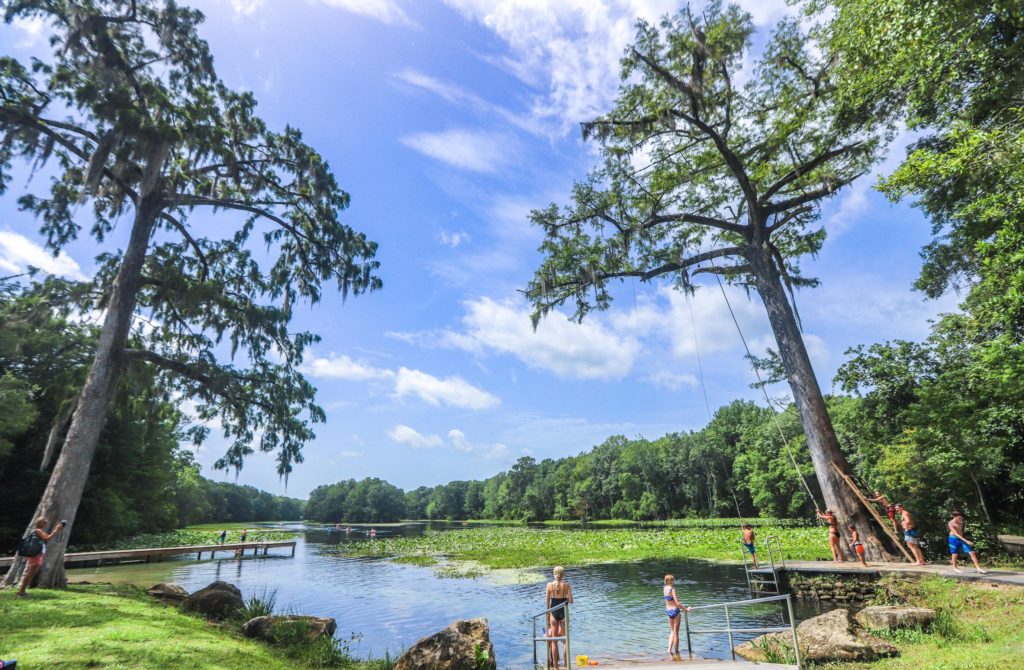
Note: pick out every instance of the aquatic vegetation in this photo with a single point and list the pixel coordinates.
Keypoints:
(521, 547)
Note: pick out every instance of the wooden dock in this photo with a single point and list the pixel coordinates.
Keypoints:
(681, 663)
(94, 558)
(878, 569)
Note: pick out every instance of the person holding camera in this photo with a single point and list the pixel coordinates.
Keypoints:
(34, 562)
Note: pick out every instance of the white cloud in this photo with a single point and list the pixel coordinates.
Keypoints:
(452, 240)
(453, 391)
(386, 11)
(570, 49)
(246, 7)
(459, 441)
(405, 435)
(17, 253)
(343, 367)
(586, 351)
(672, 381)
(477, 151)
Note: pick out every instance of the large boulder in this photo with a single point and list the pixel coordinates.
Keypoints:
(463, 645)
(885, 617)
(167, 592)
(275, 628)
(219, 600)
(828, 637)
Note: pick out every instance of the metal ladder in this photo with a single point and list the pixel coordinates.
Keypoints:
(789, 624)
(759, 582)
(545, 639)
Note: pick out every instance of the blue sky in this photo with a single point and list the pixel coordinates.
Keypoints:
(447, 121)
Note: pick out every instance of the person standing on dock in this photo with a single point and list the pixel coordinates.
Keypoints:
(910, 534)
(557, 594)
(833, 535)
(223, 537)
(672, 609)
(750, 542)
(856, 544)
(890, 509)
(958, 543)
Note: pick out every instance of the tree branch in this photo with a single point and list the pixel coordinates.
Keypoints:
(810, 196)
(810, 165)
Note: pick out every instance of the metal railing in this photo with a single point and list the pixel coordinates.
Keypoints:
(756, 585)
(730, 631)
(545, 638)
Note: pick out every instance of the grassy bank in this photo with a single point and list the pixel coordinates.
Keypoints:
(518, 547)
(104, 626)
(978, 628)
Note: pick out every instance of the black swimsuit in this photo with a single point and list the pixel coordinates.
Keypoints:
(559, 613)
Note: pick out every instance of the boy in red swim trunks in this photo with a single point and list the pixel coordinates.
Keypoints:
(890, 509)
(856, 544)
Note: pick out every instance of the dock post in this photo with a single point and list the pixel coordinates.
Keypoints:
(293, 549)
(199, 556)
(213, 554)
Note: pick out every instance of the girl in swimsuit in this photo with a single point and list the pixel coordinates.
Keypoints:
(833, 535)
(672, 608)
(557, 593)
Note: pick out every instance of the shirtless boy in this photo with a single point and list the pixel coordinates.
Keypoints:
(958, 543)
(749, 542)
(856, 544)
(890, 509)
(910, 534)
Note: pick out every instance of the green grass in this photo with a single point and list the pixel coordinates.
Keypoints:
(519, 547)
(120, 628)
(977, 627)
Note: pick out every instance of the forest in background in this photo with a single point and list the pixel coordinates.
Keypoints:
(142, 479)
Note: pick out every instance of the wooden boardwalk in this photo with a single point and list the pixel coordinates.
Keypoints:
(145, 555)
(940, 569)
(682, 664)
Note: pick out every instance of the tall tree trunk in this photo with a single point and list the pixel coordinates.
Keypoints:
(817, 425)
(63, 492)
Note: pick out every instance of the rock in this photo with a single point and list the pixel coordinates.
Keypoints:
(217, 601)
(273, 628)
(463, 645)
(171, 593)
(888, 617)
(829, 637)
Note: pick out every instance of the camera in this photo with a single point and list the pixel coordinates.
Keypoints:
(63, 522)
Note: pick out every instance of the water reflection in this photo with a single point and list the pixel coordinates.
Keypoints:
(618, 610)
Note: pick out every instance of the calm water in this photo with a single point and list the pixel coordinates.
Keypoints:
(618, 610)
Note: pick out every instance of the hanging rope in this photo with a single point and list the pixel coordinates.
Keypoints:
(760, 383)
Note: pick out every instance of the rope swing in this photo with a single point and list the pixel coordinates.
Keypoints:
(760, 383)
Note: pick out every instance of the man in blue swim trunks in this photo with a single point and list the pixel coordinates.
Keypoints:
(750, 542)
(910, 534)
(958, 543)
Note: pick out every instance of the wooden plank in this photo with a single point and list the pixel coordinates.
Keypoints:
(874, 512)
(140, 554)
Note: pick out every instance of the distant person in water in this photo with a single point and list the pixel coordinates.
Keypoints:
(958, 543)
(750, 541)
(856, 544)
(672, 608)
(890, 509)
(223, 537)
(558, 592)
(833, 535)
(910, 534)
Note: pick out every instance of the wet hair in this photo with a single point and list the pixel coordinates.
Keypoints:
(957, 512)
(748, 526)
(877, 492)
(40, 522)
(828, 511)
(669, 579)
(559, 572)
(851, 527)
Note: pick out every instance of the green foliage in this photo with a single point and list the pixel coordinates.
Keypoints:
(148, 132)
(258, 604)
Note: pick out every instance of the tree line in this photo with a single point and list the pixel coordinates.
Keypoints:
(143, 481)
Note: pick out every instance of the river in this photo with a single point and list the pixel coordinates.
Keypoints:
(618, 611)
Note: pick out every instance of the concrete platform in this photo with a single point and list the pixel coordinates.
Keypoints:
(682, 664)
(969, 574)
